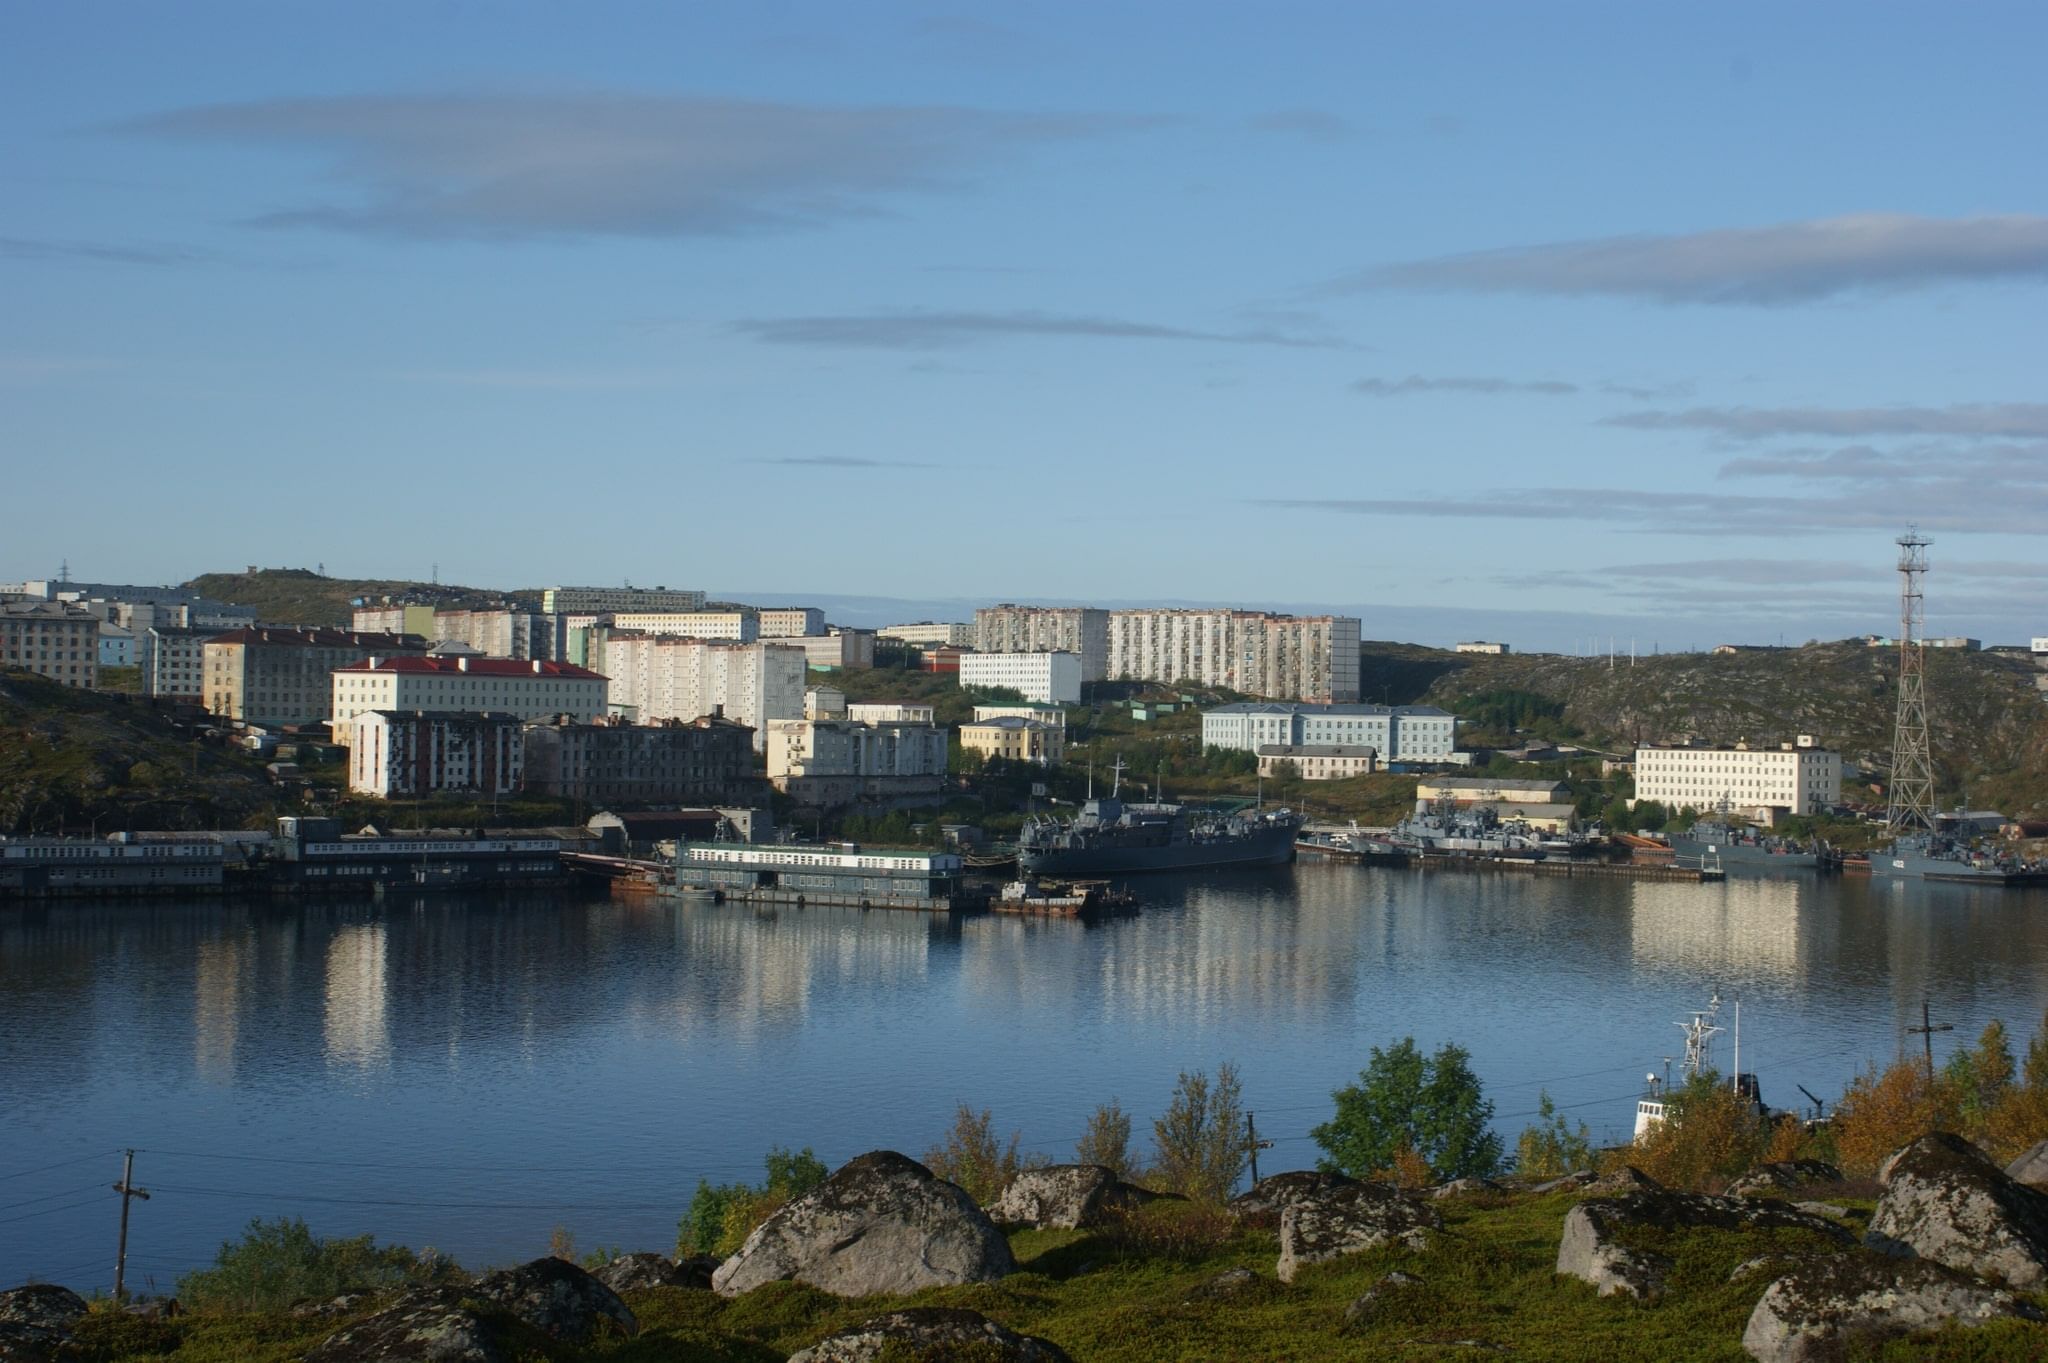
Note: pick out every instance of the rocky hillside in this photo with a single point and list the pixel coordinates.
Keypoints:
(299, 596)
(1989, 725)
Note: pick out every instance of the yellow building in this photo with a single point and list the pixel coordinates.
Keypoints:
(1016, 740)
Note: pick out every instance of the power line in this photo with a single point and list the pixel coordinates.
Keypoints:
(47, 1197)
(60, 1164)
(48, 1211)
(404, 1201)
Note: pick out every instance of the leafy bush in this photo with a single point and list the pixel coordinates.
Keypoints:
(1180, 1231)
(1201, 1139)
(1710, 1134)
(276, 1263)
(1107, 1140)
(722, 1216)
(1552, 1147)
(1432, 1106)
(972, 1157)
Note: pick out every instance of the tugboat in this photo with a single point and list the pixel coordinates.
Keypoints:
(1111, 838)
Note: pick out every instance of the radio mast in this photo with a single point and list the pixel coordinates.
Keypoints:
(1911, 808)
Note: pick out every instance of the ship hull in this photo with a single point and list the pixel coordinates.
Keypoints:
(1739, 857)
(1268, 847)
(1885, 866)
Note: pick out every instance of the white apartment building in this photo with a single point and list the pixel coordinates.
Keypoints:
(1013, 739)
(790, 622)
(411, 754)
(1396, 733)
(840, 648)
(1081, 630)
(927, 633)
(1038, 711)
(661, 677)
(1051, 677)
(1282, 657)
(1788, 779)
(802, 748)
(881, 712)
(174, 663)
(52, 639)
(531, 689)
(600, 600)
(1482, 646)
(1316, 761)
(742, 626)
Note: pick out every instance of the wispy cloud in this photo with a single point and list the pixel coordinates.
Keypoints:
(943, 330)
(547, 379)
(2017, 420)
(525, 165)
(1314, 125)
(99, 252)
(1792, 262)
(1416, 383)
(842, 461)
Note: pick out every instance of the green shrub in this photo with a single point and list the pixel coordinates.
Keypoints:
(276, 1263)
(722, 1215)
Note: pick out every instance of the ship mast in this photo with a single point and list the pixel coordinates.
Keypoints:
(1700, 1034)
(1911, 807)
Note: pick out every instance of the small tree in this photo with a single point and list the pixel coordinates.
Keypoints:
(1981, 1076)
(721, 1216)
(972, 1157)
(1552, 1148)
(1882, 1111)
(1709, 1133)
(1107, 1140)
(1201, 1143)
(1431, 1105)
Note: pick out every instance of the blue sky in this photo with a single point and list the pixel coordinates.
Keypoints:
(1655, 320)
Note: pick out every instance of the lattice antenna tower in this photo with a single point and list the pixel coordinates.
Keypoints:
(1699, 1036)
(1912, 786)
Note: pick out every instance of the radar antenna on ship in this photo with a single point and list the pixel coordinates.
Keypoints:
(1700, 1034)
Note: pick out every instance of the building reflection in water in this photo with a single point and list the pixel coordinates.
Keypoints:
(357, 1027)
(1748, 928)
(217, 1003)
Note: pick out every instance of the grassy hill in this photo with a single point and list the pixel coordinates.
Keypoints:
(299, 596)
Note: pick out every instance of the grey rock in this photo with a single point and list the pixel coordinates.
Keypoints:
(1275, 1193)
(1809, 1314)
(881, 1223)
(1946, 1201)
(559, 1299)
(2032, 1167)
(36, 1321)
(426, 1325)
(1784, 1176)
(333, 1308)
(938, 1329)
(1364, 1307)
(1064, 1197)
(642, 1272)
(1590, 1248)
(1231, 1282)
(1350, 1219)
(1577, 1178)
(1464, 1187)
(1829, 1209)
(1627, 1179)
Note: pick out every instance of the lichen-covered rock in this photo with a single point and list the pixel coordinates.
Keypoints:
(333, 1308)
(2032, 1167)
(1064, 1197)
(1464, 1187)
(36, 1321)
(1350, 1219)
(1833, 1210)
(1367, 1305)
(559, 1299)
(1945, 1200)
(642, 1272)
(1626, 1179)
(1231, 1282)
(881, 1223)
(1577, 1178)
(936, 1331)
(1591, 1250)
(426, 1325)
(1275, 1193)
(1784, 1176)
(1812, 1312)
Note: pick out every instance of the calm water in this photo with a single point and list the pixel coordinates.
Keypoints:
(470, 1074)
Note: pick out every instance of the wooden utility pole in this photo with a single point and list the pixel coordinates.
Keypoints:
(129, 1192)
(1253, 1144)
(1925, 1031)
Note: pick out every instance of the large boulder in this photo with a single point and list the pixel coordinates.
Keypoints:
(1592, 1248)
(1626, 1179)
(881, 1223)
(641, 1272)
(1350, 1219)
(426, 1325)
(1783, 1177)
(936, 1332)
(1274, 1194)
(1945, 1200)
(1064, 1197)
(1811, 1313)
(36, 1321)
(2032, 1167)
(559, 1299)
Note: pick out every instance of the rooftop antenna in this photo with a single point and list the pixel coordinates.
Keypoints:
(64, 571)
(1912, 785)
(1700, 1034)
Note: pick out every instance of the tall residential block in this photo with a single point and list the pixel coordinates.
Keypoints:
(1281, 657)
(53, 639)
(1080, 630)
(659, 677)
(599, 600)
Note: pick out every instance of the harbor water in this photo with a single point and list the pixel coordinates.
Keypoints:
(470, 1073)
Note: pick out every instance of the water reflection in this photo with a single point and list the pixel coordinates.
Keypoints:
(358, 1009)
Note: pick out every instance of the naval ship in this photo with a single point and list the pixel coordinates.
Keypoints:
(1109, 837)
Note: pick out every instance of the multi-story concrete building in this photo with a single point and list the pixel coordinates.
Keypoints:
(743, 626)
(52, 639)
(1281, 657)
(424, 752)
(174, 663)
(1041, 711)
(503, 632)
(826, 762)
(1051, 677)
(840, 648)
(1482, 646)
(395, 617)
(886, 712)
(195, 613)
(606, 600)
(1793, 778)
(790, 622)
(927, 632)
(1080, 630)
(705, 760)
(1016, 740)
(657, 677)
(1317, 761)
(533, 689)
(275, 674)
(1396, 733)
(117, 646)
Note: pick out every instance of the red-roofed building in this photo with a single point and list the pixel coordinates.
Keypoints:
(528, 688)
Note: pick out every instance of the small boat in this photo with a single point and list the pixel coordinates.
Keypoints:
(1063, 899)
